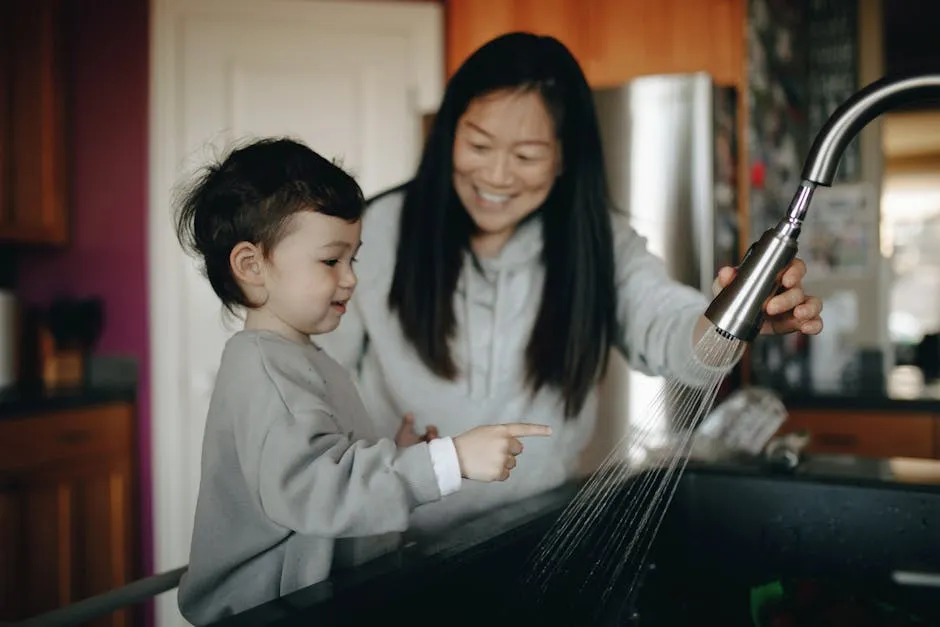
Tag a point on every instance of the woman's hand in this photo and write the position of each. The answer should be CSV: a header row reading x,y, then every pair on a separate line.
x,y
789,311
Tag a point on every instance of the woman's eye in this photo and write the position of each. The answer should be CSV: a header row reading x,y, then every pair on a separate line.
x,y
529,156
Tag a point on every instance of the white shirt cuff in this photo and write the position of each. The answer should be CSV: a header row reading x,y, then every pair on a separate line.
x,y
446,465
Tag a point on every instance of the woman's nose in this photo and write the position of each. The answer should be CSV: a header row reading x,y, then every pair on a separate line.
x,y
498,171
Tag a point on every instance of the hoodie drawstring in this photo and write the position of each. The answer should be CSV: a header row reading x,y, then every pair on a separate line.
x,y
494,345
492,360
483,293
467,328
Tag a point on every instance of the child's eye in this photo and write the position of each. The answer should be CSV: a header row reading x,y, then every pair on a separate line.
x,y
354,260
331,262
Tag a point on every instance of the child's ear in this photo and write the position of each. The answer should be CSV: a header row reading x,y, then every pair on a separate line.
x,y
246,260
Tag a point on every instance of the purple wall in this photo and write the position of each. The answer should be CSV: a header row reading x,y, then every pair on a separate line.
x,y
108,64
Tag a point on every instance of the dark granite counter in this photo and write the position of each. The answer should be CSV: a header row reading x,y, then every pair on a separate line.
x,y
730,522
862,402
24,401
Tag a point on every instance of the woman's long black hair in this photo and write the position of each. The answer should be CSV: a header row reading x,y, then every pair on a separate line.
x,y
576,323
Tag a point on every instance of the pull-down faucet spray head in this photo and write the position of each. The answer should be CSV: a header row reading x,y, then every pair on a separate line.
x,y
738,311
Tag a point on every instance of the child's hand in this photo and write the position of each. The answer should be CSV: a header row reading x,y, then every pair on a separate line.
x,y
406,435
488,453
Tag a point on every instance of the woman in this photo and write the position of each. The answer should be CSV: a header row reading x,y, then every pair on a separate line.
x,y
493,285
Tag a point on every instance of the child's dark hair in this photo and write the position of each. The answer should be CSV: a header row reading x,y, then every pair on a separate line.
x,y
250,197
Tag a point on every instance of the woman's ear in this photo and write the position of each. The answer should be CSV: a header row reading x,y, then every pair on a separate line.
x,y
246,261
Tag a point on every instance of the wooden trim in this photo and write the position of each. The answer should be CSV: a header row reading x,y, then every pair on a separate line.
x,y
936,436
914,164
911,134
6,130
744,168
38,162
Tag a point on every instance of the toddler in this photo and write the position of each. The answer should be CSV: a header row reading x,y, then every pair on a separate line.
x,y
294,482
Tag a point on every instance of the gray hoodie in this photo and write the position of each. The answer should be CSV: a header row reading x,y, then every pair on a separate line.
x,y
294,482
496,311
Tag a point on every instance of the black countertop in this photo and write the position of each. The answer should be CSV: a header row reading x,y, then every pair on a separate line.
x,y
829,504
925,402
26,400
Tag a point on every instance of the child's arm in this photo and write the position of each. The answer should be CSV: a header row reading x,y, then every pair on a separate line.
x,y
312,479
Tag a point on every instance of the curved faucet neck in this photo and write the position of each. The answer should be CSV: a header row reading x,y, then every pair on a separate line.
x,y
856,113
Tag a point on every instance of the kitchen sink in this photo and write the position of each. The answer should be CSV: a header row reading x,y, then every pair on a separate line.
x,y
727,530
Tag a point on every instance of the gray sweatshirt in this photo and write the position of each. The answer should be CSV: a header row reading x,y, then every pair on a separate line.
x,y
294,481
496,311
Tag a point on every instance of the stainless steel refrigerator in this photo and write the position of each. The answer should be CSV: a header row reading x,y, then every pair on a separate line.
x,y
670,148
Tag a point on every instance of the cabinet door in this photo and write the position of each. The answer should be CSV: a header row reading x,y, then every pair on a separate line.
x,y
6,58
614,40
10,561
69,529
34,206
67,510
631,38
865,433
471,23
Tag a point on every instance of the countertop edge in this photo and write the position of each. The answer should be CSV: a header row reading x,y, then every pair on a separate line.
x,y
18,404
407,565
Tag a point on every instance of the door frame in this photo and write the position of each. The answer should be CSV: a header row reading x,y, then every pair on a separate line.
x,y
422,23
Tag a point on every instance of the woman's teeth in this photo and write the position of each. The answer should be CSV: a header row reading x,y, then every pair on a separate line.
x,y
498,198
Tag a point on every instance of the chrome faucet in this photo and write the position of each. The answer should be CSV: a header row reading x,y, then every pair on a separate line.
x,y
738,311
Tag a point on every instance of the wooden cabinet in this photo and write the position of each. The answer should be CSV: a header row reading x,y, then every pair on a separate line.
x,y
33,185
867,433
633,37
471,23
67,509
614,40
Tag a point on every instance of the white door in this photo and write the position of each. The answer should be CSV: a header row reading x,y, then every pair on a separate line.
x,y
351,80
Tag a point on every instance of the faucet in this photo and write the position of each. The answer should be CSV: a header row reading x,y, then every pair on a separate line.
x,y
738,310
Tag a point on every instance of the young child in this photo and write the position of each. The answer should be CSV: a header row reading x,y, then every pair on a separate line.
x,y
294,482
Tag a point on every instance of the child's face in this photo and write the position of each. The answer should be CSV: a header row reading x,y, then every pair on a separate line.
x,y
308,277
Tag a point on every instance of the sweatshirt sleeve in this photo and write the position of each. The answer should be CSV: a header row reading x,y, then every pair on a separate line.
x,y
314,480
656,315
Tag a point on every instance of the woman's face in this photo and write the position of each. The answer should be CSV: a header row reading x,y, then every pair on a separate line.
x,y
506,158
